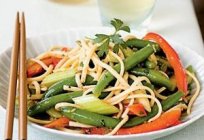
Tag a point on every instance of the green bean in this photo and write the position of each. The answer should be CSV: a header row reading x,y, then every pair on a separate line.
x,y
90,118
129,63
50,102
155,77
103,95
148,85
163,67
150,65
171,100
139,43
163,61
127,51
57,88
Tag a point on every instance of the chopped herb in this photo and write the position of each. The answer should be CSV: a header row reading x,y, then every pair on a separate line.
x,y
115,38
104,48
100,38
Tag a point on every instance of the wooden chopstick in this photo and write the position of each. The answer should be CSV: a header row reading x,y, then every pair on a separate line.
x,y
12,82
18,51
22,81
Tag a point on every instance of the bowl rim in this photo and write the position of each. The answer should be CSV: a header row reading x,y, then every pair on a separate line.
x,y
54,131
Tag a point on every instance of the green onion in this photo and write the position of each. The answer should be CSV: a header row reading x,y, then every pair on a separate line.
x,y
111,58
58,76
190,69
93,104
54,113
127,51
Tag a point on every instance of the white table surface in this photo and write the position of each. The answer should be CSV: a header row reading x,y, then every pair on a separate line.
x,y
174,19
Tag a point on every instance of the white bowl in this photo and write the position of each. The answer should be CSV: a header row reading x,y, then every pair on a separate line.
x,y
39,44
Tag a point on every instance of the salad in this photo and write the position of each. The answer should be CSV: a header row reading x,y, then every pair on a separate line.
x,y
110,85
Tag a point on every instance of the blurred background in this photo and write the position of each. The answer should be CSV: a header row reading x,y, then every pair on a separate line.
x,y
49,15
199,8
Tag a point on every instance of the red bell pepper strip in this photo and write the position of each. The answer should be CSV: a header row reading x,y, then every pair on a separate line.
x,y
55,61
65,49
177,123
173,59
166,120
137,109
61,122
36,69
96,131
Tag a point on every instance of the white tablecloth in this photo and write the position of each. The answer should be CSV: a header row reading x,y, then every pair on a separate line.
x,y
174,19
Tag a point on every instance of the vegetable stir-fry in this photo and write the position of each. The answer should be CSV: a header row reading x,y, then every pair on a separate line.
x,y
111,85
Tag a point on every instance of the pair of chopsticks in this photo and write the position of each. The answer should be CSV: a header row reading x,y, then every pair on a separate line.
x,y
18,62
